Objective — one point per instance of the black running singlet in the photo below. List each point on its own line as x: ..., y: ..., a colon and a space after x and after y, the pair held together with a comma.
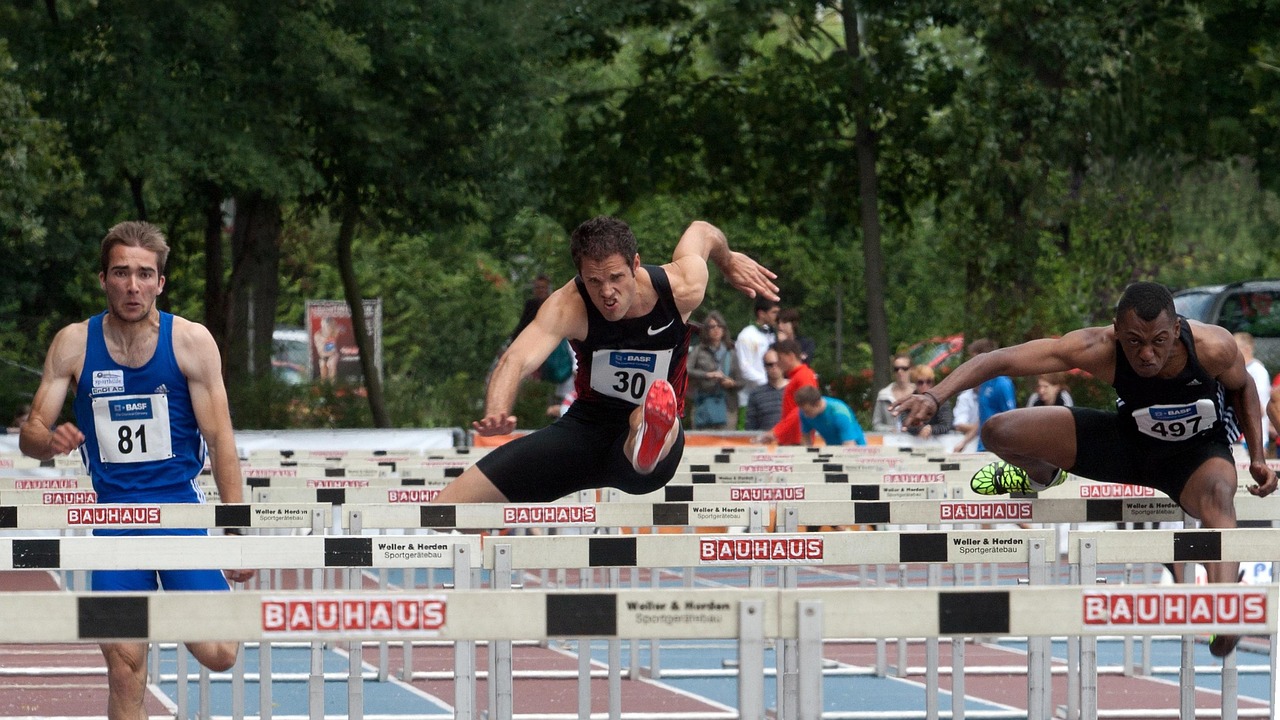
x: 618, y: 360
x: 1164, y: 413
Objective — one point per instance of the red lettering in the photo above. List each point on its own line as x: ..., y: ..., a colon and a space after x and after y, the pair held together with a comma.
x: 1121, y: 609
x: 300, y: 617
x: 273, y: 616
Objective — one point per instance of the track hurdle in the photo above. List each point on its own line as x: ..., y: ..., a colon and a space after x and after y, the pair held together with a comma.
x: 752, y: 617
x: 457, y: 552
x: 1091, y: 549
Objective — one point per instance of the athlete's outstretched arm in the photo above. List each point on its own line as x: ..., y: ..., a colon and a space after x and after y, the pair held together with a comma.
x: 703, y: 242
x: 561, y: 316
x: 41, y: 436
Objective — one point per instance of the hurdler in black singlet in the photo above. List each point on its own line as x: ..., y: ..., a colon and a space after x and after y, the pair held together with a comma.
x: 1163, y: 430
x: 617, y: 362
x: 1166, y: 412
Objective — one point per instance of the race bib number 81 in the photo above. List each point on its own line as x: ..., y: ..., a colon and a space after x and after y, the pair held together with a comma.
x: 132, y: 428
x: 1176, y: 422
x: 627, y: 374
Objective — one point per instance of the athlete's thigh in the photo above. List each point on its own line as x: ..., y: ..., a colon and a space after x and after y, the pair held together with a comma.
x: 1046, y: 433
x: 546, y: 465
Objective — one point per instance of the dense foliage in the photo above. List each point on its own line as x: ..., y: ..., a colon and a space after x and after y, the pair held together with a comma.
x: 910, y: 169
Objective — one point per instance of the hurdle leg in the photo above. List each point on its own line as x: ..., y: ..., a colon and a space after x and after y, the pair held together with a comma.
x: 751, y: 660
x: 1230, y: 688
x: 1088, y: 573
x: 464, y: 651
x: 809, y: 662
x: 184, y: 699
x: 501, y: 696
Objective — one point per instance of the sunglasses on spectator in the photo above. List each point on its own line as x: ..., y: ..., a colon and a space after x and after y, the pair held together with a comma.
x: 902, y: 368
x: 770, y: 364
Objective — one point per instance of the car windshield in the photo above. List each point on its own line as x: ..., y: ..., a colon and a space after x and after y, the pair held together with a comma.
x: 1193, y: 305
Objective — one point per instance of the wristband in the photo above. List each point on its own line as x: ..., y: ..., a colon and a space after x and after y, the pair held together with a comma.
x: 929, y: 394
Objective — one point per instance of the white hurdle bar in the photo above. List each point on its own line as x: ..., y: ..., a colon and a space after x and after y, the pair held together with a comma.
x: 1089, y: 549
x: 749, y: 616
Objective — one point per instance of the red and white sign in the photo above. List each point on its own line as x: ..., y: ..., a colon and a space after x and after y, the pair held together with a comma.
x: 46, y: 484
x: 1112, y: 490
x: 1180, y: 608
x: 912, y: 478
x: 338, y: 483
x: 549, y: 514
x: 417, y: 495
x: 765, y: 493
x: 738, y: 550
x: 80, y: 497
x: 985, y: 511
x: 766, y: 468
x: 337, y: 614
x: 113, y: 515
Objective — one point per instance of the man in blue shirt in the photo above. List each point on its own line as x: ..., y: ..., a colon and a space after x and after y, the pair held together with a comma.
x: 996, y: 395
x: 829, y: 417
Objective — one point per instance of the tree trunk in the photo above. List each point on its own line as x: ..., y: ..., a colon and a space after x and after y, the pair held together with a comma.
x: 868, y: 200
x: 254, y: 288
x: 351, y: 290
x: 215, y: 298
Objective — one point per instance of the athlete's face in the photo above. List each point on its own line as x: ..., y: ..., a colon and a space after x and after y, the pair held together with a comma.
x: 131, y: 282
x: 1148, y: 344
x: 611, y: 283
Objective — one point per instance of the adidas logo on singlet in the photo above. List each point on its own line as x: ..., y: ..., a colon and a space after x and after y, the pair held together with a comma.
x: 1194, y: 382
x: 162, y: 389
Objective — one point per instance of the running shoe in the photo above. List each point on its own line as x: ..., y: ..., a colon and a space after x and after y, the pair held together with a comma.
x: 1223, y: 645
x: 656, y: 422
x: 1001, y: 478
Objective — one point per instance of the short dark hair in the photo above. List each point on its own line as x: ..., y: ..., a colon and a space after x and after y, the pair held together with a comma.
x: 981, y: 345
x: 808, y: 395
x: 764, y: 304
x: 600, y: 238
x: 135, y: 233
x: 788, y: 346
x: 790, y: 315
x: 1147, y: 300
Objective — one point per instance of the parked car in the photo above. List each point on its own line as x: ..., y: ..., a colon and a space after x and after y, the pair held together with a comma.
x: 939, y: 353
x: 1252, y: 306
x: 291, y: 356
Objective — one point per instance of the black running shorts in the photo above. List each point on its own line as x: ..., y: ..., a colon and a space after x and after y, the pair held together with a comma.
x: 1106, y: 451
x: 581, y: 450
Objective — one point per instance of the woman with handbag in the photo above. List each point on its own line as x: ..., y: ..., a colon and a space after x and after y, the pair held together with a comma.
x: 714, y: 379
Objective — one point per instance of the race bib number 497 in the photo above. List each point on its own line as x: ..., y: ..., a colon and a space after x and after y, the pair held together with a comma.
x: 1176, y: 422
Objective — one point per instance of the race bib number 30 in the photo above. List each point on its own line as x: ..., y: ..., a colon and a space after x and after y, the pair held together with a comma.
x: 132, y: 428
x: 627, y: 374
x: 1176, y: 422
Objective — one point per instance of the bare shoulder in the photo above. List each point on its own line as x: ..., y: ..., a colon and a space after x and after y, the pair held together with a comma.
x: 1092, y: 349
x: 195, y: 348
x: 1215, y: 346
x: 66, y: 352
x: 563, y: 313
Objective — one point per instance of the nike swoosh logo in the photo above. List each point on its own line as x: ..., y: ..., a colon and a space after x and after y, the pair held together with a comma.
x: 655, y: 331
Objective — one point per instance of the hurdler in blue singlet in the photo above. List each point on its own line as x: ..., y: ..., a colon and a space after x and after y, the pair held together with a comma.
x: 142, y: 445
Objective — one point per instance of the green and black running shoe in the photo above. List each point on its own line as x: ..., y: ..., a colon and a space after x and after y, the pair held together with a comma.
x: 1001, y: 478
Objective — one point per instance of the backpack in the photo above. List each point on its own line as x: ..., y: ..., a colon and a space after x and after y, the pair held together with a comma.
x: 558, y: 366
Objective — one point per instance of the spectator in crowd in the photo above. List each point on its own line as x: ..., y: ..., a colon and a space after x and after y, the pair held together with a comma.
x: 993, y: 396
x: 830, y: 418
x: 922, y: 377
x: 881, y: 419
x: 713, y: 376
x: 1261, y: 379
x: 537, y: 294
x: 1051, y: 389
x: 789, y: 329
x: 964, y: 419
x: 764, y: 404
x: 1273, y: 413
x: 753, y: 342
x: 787, y: 430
